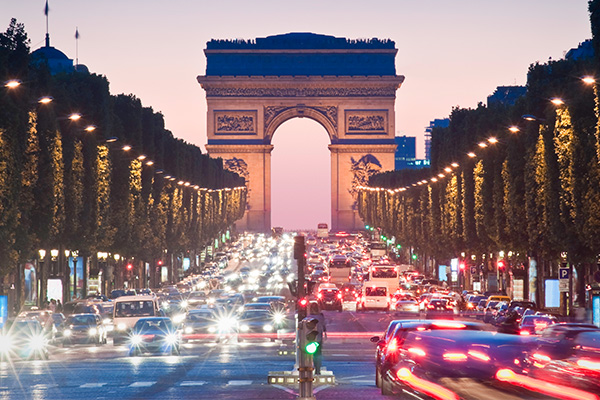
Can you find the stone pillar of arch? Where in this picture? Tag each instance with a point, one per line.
(356, 111)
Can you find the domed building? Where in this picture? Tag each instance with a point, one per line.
(56, 60)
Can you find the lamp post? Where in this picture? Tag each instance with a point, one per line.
(67, 278)
(74, 255)
(102, 256)
(42, 285)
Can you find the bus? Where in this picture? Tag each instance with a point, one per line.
(128, 310)
(322, 231)
(377, 250)
(385, 273)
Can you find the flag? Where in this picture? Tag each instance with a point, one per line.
(76, 33)
(46, 9)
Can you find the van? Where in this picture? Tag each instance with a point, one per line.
(498, 298)
(128, 310)
(375, 296)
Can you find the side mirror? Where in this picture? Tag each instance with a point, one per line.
(375, 339)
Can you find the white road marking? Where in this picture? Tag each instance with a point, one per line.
(239, 383)
(92, 385)
(142, 384)
(192, 383)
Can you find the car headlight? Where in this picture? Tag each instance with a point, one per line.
(136, 340)
(278, 318)
(212, 329)
(178, 318)
(183, 304)
(93, 332)
(171, 338)
(67, 332)
(268, 328)
(5, 344)
(121, 327)
(37, 342)
(188, 329)
(244, 328)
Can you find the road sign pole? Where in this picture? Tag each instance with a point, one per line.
(305, 368)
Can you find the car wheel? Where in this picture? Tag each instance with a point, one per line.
(386, 387)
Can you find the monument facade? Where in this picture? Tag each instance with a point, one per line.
(347, 86)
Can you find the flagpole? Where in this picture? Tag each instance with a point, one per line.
(47, 34)
(76, 47)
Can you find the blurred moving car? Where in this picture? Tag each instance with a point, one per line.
(83, 328)
(23, 339)
(439, 308)
(256, 324)
(535, 324)
(200, 324)
(154, 335)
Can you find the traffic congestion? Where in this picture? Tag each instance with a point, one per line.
(414, 336)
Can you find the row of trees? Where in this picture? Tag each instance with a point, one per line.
(535, 192)
(64, 187)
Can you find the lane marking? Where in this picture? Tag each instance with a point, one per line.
(192, 383)
(239, 383)
(92, 385)
(142, 384)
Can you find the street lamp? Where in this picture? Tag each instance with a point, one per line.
(45, 100)
(12, 83)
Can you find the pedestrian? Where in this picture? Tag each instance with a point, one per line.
(321, 336)
(59, 306)
(52, 306)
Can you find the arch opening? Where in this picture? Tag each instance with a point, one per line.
(300, 175)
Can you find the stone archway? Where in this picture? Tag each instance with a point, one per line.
(254, 87)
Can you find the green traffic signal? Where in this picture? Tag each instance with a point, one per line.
(414, 256)
(311, 348)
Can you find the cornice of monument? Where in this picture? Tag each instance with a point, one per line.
(236, 148)
(362, 148)
(300, 86)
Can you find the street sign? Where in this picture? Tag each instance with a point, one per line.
(563, 279)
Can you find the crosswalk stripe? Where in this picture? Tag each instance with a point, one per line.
(239, 383)
(142, 384)
(192, 383)
(92, 385)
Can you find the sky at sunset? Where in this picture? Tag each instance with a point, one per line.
(451, 52)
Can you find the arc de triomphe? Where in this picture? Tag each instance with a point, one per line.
(347, 86)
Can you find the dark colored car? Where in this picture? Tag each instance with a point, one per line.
(426, 357)
(330, 299)
(154, 335)
(388, 348)
(439, 308)
(200, 324)
(23, 339)
(83, 328)
(256, 324)
(568, 355)
(534, 324)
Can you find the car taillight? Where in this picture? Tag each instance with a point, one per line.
(430, 307)
(319, 295)
(392, 345)
(524, 332)
(339, 296)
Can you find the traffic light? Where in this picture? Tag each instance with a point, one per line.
(302, 308)
(299, 247)
(129, 267)
(414, 256)
(501, 264)
(309, 335)
(462, 266)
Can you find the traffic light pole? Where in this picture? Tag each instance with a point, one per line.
(305, 364)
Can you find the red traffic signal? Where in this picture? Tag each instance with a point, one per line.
(159, 262)
(129, 267)
(462, 266)
(303, 302)
(500, 264)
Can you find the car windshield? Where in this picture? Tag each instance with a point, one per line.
(136, 308)
(375, 291)
(81, 320)
(153, 325)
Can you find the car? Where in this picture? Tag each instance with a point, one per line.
(428, 356)
(23, 338)
(330, 299)
(154, 335)
(201, 324)
(439, 308)
(407, 305)
(256, 324)
(535, 324)
(83, 328)
(389, 347)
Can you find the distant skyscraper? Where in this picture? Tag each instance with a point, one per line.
(406, 154)
(506, 95)
(436, 123)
